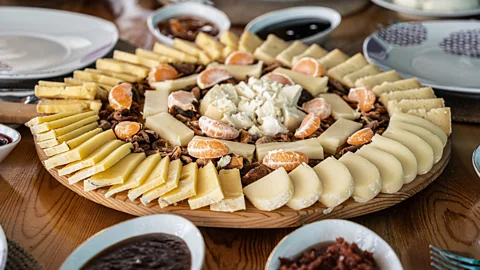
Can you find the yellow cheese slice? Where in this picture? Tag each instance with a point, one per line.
(314, 85)
(121, 67)
(227, 51)
(365, 71)
(378, 79)
(310, 147)
(229, 39)
(187, 186)
(97, 78)
(135, 59)
(269, 49)
(231, 184)
(69, 136)
(286, 56)
(81, 151)
(60, 122)
(419, 121)
(337, 134)
(155, 102)
(191, 48)
(176, 84)
(153, 55)
(249, 42)
(210, 45)
(138, 176)
(419, 93)
(307, 187)
(396, 86)
(174, 172)
(441, 117)
(118, 173)
(332, 59)
(208, 188)
(365, 176)
(78, 82)
(340, 108)
(49, 118)
(51, 84)
(54, 133)
(157, 177)
(240, 72)
(122, 76)
(270, 192)
(388, 165)
(71, 106)
(113, 158)
(406, 105)
(174, 53)
(338, 184)
(86, 91)
(242, 149)
(70, 144)
(351, 65)
(170, 128)
(314, 51)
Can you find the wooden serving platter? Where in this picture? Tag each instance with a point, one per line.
(252, 217)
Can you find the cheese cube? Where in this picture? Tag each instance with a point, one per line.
(66, 129)
(209, 190)
(307, 187)
(71, 106)
(310, 147)
(338, 184)
(193, 49)
(242, 149)
(173, 53)
(332, 59)
(121, 67)
(418, 121)
(270, 49)
(340, 108)
(60, 122)
(249, 42)
(187, 186)
(135, 59)
(176, 84)
(210, 44)
(270, 192)
(286, 56)
(363, 72)
(314, 51)
(231, 184)
(49, 118)
(157, 177)
(337, 134)
(155, 102)
(156, 56)
(70, 144)
(69, 136)
(365, 176)
(314, 85)
(174, 171)
(240, 72)
(122, 76)
(396, 86)
(378, 79)
(170, 129)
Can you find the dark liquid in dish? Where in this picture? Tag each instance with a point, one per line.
(149, 251)
(4, 139)
(186, 27)
(295, 29)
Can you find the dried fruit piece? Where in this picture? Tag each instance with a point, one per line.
(364, 96)
(361, 137)
(212, 76)
(127, 129)
(289, 160)
(162, 72)
(240, 58)
(308, 126)
(308, 66)
(319, 106)
(279, 78)
(120, 97)
(217, 129)
(182, 99)
(207, 149)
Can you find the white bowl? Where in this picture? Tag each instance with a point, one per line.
(282, 15)
(164, 223)
(14, 135)
(209, 13)
(3, 249)
(328, 230)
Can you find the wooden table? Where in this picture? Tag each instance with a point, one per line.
(51, 221)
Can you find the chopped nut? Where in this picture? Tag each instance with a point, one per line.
(186, 159)
(235, 163)
(255, 174)
(265, 139)
(245, 137)
(196, 92)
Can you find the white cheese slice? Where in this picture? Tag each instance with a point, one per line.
(169, 128)
(174, 53)
(155, 102)
(210, 45)
(337, 134)
(441, 117)
(351, 65)
(209, 190)
(401, 152)
(314, 51)
(310, 147)
(171, 183)
(366, 176)
(396, 86)
(240, 72)
(231, 184)
(191, 48)
(406, 105)
(377, 79)
(60, 122)
(307, 187)
(365, 71)
(338, 184)
(49, 118)
(419, 121)
(292, 93)
(270, 49)
(286, 56)
(314, 85)
(54, 133)
(249, 42)
(187, 186)
(418, 93)
(157, 177)
(388, 165)
(242, 149)
(340, 108)
(176, 84)
(270, 192)
(332, 59)
(292, 118)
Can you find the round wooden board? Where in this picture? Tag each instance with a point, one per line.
(252, 217)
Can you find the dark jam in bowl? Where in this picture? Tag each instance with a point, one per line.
(4, 139)
(186, 27)
(148, 251)
(295, 29)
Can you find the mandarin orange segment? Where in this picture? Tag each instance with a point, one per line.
(182, 99)
(289, 160)
(207, 149)
(308, 126)
(127, 129)
(240, 58)
(361, 137)
(279, 78)
(162, 72)
(308, 66)
(217, 129)
(120, 97)
(319, 106)
(364, 96)
(212, 76)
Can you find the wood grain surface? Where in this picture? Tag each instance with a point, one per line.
(17, 113)
(50, 221)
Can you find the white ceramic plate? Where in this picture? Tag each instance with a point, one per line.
(39, 43)
(388, 4)
(444, 55)
(164, 223)
(328, 230)
(14, 135)
(3, 249)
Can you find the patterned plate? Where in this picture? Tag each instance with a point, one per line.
(388, 4)
(444, 55)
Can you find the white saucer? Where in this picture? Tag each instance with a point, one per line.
(40, 43)
(444, 55)
(388, 4)
(3, 249)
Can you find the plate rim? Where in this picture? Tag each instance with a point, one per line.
(3, 257)
(426, 13)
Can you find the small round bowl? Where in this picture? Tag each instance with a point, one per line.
(287, 14)
(209, 13)
(162, 223)
(327, 231)
(3, 249)
(14, 135)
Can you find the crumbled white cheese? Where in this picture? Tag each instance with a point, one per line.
(225, 106)
(272, 126)
(244, 90)
(239, 120)
(269, 108)
(224, 161)
(249, 106)
(255, 132)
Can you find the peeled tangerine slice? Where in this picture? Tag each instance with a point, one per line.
(338, 184)
(120, 97)
(307, 187)
(401, 152)
(240, 58)
(212, 76)
(162, 72)
(288, 160)
(308, 66)
(207, 149)
(270, 192)
(423, 151)
(418, 121)
(366, 176)
(426, 135)
(217, 129)
(279, 78)
(390, 168)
